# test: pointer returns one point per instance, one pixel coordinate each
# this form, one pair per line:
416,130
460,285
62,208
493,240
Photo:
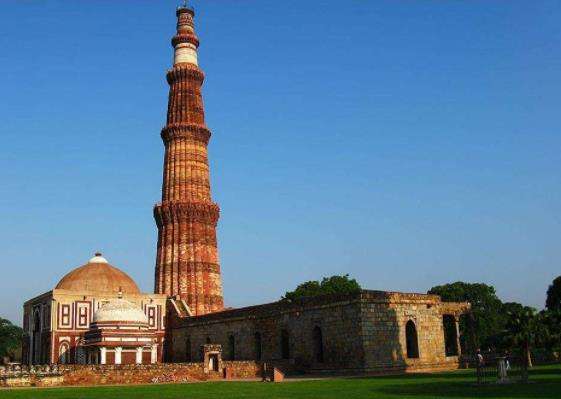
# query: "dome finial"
98,258
185,6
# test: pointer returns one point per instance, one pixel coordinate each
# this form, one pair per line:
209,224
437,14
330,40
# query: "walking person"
480,362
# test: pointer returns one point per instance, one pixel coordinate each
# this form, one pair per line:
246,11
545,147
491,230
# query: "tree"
485,320
524,328
327,286
10,339
500,339
551,320
553,301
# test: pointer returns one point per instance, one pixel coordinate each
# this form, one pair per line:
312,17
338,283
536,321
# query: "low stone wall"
22,376
84,375
243,370
132,374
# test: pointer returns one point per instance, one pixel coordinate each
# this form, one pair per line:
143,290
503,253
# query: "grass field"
545,383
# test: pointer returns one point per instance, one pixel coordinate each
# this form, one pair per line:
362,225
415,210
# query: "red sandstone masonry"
187,255
89,375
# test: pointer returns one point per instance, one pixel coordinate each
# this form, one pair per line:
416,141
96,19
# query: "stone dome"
120,311
98,276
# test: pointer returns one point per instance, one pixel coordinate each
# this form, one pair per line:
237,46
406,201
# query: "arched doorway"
64,353
450,335
317,338
285,345
188,357
411,340
258,346
232,347
36,339
93,356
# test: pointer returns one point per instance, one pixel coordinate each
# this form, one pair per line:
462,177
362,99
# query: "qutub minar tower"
187,263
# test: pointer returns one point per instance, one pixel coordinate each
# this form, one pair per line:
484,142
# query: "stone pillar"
502,374
459,347
154,354
102,355
118,351
139,355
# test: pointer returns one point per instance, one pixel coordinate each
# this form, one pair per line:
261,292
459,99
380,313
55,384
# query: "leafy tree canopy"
327,286
512,307
553,301
10,338
497,325
524,328
551,320
522,324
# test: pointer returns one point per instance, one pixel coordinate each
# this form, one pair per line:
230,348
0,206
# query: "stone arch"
285,344
258,346
64,353
317,337
411,340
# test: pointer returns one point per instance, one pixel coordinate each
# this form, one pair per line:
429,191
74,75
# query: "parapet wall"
84,375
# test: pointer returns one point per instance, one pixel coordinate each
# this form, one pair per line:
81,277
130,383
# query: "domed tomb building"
96,314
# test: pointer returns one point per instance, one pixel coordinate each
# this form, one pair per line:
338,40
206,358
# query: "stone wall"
384,320
363,332
237,330
85,375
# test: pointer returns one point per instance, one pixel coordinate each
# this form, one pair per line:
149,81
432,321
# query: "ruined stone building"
86,320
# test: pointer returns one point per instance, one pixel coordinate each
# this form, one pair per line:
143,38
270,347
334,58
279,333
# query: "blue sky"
407,143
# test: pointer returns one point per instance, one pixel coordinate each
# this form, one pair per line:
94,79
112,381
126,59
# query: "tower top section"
185,7
185,41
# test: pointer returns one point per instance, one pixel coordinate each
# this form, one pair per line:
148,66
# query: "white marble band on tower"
185,52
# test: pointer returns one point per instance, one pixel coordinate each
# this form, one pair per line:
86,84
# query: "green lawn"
545,383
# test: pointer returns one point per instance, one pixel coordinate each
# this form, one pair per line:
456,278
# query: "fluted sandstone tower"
187,259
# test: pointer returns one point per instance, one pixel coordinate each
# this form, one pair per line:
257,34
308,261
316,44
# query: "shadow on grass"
548,371
449,375
464,374
537,388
